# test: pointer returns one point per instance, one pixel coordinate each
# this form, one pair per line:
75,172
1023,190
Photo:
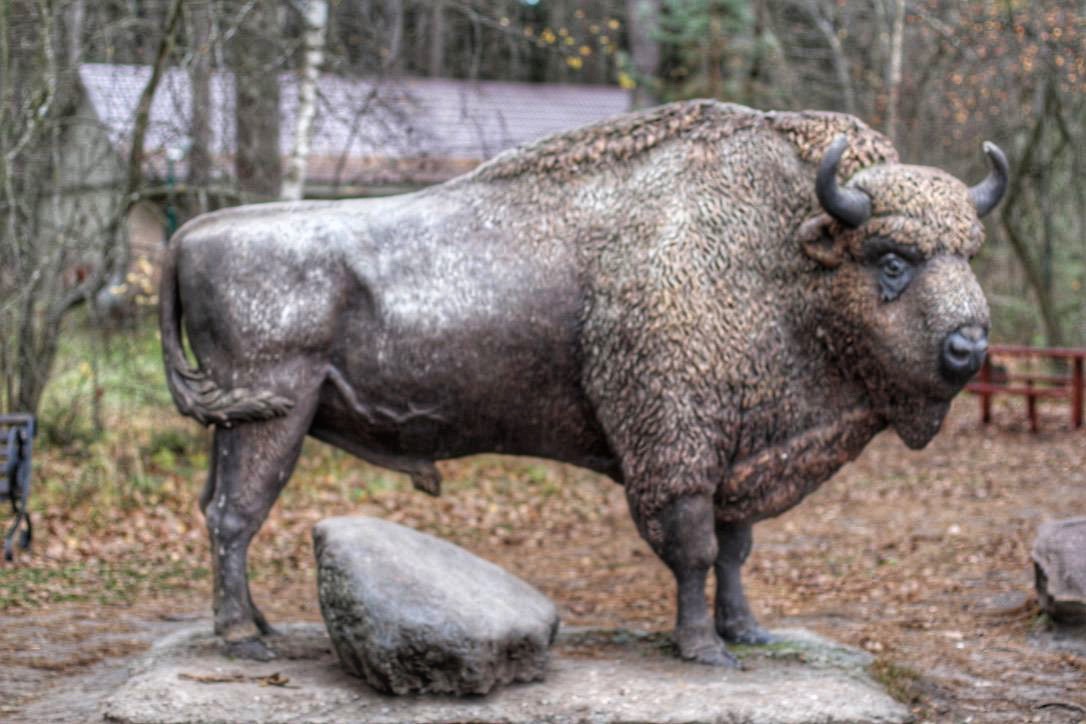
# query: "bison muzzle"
714,306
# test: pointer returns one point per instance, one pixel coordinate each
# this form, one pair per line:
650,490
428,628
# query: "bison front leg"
687,544
734,620
251,463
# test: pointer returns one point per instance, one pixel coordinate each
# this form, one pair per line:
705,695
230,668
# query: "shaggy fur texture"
717,355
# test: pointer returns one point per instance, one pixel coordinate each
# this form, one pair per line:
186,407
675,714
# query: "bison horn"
988,193
849,206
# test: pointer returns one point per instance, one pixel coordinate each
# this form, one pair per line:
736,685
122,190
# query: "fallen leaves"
61,659
898,549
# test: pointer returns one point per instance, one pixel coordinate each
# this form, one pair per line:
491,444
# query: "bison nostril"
959,348
963,354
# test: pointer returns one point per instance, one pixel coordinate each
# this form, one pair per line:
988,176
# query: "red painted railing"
990,382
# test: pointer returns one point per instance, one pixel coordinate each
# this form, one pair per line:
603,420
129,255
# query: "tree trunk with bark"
199,159
642,26
393,44
437,39
255,59
1012,216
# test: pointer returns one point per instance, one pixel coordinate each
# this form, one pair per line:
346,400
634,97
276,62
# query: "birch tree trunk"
315,15
393,33
897,42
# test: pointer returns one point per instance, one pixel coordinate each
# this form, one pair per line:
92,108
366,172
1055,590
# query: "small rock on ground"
409,612
1059,557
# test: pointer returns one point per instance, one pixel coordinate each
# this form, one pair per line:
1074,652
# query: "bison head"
900,308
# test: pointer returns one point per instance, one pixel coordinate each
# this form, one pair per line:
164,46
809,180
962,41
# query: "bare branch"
823,20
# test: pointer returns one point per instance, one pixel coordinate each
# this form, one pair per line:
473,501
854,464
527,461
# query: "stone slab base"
594,675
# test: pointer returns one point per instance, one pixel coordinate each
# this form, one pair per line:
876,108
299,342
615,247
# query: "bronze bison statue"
714,306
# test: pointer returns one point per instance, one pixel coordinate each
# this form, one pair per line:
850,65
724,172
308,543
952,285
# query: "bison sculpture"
714,306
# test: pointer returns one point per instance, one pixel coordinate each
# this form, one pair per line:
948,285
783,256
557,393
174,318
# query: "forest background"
937,76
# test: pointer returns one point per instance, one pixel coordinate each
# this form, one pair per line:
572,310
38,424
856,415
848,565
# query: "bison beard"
668,298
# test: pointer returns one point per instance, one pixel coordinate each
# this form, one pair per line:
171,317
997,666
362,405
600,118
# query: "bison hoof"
253,649
707,650
750,634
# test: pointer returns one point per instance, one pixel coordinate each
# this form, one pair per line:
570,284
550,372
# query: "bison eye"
895,273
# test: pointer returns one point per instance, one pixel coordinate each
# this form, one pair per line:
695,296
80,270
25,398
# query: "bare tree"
642,25
393,33
74,16
757,72
256,61
56,248
822,14
30,308
1030,199
119,257
437,39
315,17
199,176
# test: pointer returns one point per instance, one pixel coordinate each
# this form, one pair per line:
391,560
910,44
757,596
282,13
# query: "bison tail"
193,390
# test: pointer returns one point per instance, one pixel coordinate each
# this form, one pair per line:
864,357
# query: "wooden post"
1031,406
986,395
1077,391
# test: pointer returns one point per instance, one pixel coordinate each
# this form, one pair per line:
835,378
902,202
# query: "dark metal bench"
16,443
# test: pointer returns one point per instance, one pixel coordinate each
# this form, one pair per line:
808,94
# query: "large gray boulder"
409,612
1059,557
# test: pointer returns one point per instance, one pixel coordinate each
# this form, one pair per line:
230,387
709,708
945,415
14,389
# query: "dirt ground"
921,558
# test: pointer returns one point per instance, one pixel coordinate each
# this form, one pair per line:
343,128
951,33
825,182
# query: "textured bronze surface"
659,297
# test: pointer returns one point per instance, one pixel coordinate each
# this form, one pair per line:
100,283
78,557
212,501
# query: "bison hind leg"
251,462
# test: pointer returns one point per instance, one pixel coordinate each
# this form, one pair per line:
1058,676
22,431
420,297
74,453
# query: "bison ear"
818,243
